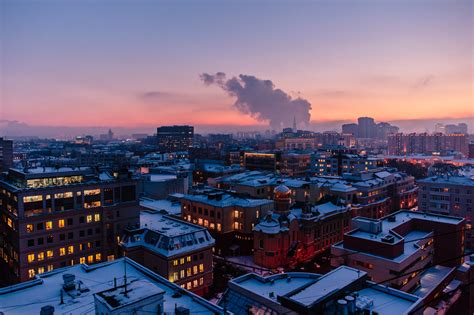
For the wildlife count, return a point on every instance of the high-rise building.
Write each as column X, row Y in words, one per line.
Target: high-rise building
column 424, row 143
column 459, row 128
column 6, row 154
column 175, row 138
column 366, row 127
column 57, row 217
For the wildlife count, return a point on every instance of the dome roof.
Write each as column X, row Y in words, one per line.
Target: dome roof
column 282, row 191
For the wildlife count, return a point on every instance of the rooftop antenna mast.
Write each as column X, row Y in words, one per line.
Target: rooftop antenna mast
column 125, row 292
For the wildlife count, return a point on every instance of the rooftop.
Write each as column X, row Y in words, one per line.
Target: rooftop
column 221, row 199
column 449, row 180
column 29, row 297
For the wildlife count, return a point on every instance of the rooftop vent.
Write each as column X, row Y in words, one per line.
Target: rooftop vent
column 68, row 281
column 388, row 239
column 47, row 310
column 392, row 218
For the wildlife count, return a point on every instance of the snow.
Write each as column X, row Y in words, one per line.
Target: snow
column 171, row 207
column 333, row 281
column 228, row 200
column 386, row 303
column 430, row 279
column 29, row 297
column 136, row 291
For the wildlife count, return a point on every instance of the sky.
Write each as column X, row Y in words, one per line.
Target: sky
column 138, row 63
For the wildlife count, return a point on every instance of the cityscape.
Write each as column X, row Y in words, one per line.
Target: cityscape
column 238, row 157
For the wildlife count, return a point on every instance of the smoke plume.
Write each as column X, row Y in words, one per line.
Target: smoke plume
column 262, row 100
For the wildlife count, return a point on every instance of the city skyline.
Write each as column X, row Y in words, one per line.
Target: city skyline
column 138, row 66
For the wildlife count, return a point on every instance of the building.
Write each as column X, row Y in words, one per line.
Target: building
column 175, row 249
column 229, row 217
column 118, row 287
column 459, row 128
column 56, row 217
column 286, row 237
column 396, row 248
column 338, row 163
column 174, row 138
column 344, row 290
column 424, row 143
column 366, row 128
column 6, row 154
column 449, row 195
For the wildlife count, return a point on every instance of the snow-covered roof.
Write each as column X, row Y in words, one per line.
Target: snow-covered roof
column 28, row 297
column 168, row 205
column 448, row 180
column 226, row 200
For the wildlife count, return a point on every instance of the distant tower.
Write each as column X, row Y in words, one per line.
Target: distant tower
column 282, row 199
column 110, row 134
column 294, row 124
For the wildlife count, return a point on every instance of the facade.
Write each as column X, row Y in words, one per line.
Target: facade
column 449, row 195
column 174, row 138
column 56, row 217
column 6, row 154
column 424, row 143
column 118, row 287
column 344, row 290
column 286, row 237
column 175, row 249
column 396, row 248
column 338, row 163
column 229, row 217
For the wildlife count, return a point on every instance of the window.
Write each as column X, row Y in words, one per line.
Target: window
column 181, row 261
column 40, row 256
column 110, row 258
column 49, row 253
column 70, row 235
column 188, row 272
column 49, row 239
column 219, row 227
column 70, row 221
column 61, row 223
column 49, row 225
column 82, row 233
column 195, row 283
column 188, row 259
column 82, row 260
column 31, row 273
column 91, row 192
column 97, row 217
column 70, row 249
column 31, row 258
column 31, row 243
column 201, row 281
column 201, row 267
column 62, row 251
column 81, row 219
column 89, row 218
column 40, row 241
column 49, row 268
column 40, row 270
column 195, row 269
column 39, row 226
column 62, row 237
column 181, row 274
column 90, row 259
column 29, row 228
column 175, row 262
column 98, row 257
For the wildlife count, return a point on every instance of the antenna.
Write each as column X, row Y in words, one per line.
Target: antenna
column 125, row 277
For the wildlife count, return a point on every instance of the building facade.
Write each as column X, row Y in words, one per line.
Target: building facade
column 174, row 138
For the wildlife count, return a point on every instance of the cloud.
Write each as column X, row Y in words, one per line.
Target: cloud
column 260, row 99
column 154, row 95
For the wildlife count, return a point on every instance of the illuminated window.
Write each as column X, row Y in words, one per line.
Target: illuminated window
column 175, row 276
column 200, row 221
column 201, row 281
column 195, row 269
column 70, row 249
column 61, row 223
column 90, row 259
column 82, row 260
column 62, row 251
column 206, row 223
column 236, row 225
column 188, row 285
column 89, row 218
column 40, row 256
column 49, row 253
column 201, row 267
column 91, row 192
column 97, row 217
column 49, row 225
column 10, row 222
column 195, row 283
column 212, row 226
column 219, row 227
column 31, row 273
column 236, row 214
column 175, row 262
column 29, row 228
column 50, row 268
column 188, row 272
column 63, row 195
column 81, row 246
column 181, row 261
column 110, row 258
column 31, row 258
column 40, row 270
column 181, row 274
column 27, row 199
column 92, row 204
column 98, row 257
column 188, row 259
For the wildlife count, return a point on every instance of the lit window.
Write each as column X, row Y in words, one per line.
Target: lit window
column 49, row 225
column 201, row 281
column 219, row 227
column 110, row 258
column 89, row 218
column 188, row 259
column 31, row 258
column 31, row 273
column 188, row 272
column 62, row 251
column 50, row 268
column 29, row 228
column 98, row 257
column 40, row 256
column 175, row 262
column 181, row 261
column 90, row 259
column 195, row 269
column 61, row 223
column 97, row 217
column 188, row 285
column 91, row 192
column 49, row 253
column 195, row 283
column 40, row 270
column 201, row 267
column 200, row 221
column 181, row 274
column 70, row 249
column 82, row 260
